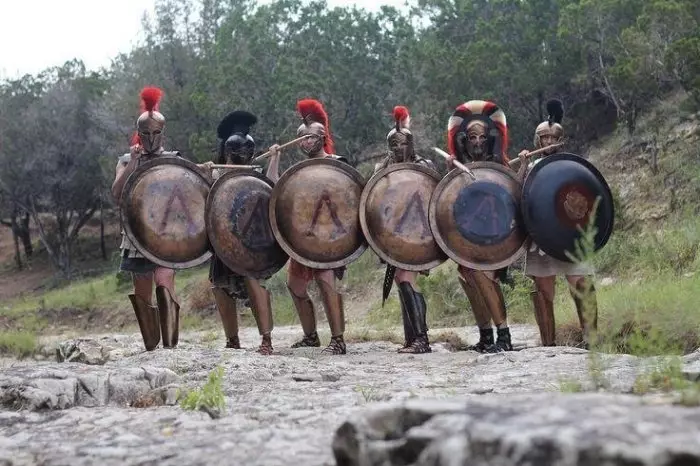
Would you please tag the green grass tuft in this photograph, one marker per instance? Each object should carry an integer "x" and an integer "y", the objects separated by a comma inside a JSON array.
[{"x": 20, "y": 344}]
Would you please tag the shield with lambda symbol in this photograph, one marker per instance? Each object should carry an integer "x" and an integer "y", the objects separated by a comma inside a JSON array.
[
  {"x": 394, "y": 216},
  {"x": 162, "y": 212},
  {"x": 238, "y": 224},
  {"x": 477, "y": 222},
  {"x": 315, "y": 213}
]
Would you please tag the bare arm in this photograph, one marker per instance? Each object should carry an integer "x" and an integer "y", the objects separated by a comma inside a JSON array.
[
  {"x": 123, "y": 171},
  {"x": 273, "y": 166},
  {"x": 207, "y": 170},
  {"x": 522, "y": 171}
]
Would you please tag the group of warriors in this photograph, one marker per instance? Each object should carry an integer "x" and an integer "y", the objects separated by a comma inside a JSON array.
[{"x": 477, "y": 133}]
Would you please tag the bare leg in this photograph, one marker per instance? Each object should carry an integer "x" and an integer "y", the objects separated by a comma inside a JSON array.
[
  {"x": 168, "y": 307},
  {"x": 413, "y": 309},
  {"x": 262, "y": 310},
  {"x": 482, "y": 316},
  {"x": 146, "y": 313},
  {"x": 543, "y": 302},
  {"x": 492, "y": 295},
  {"x": 229, "y": 316},
  {"x": 584, "y": 294},
  {"x": 333, "y": 304},
  {"x": 305, "y": 309}
]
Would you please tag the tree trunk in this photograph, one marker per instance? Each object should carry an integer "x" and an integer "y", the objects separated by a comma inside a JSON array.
[
  {"x": 43, "y": 234},
  {"x": 608, "y": 87},
  {"x": 632, "y": 119},
  {"x": 103, "y": 248},
  {"x": 15, "y": 237},
  {"x": 25, "y": 236}
]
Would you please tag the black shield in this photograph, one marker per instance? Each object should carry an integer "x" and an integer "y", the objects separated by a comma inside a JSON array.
[{"x": 558, "y": 196}]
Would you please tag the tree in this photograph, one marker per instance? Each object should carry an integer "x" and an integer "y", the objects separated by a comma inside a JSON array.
[
  {"x": 60, "y": 168},
  {"x": 15, "y": 97}
]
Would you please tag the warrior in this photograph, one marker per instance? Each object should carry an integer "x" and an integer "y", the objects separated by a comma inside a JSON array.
[
  {"x": 413, "y": 306},
  {"x": 542, "y": 268},
  {"x": 477, "y": 131},
  {"x": 163, "y": 319},
  {"x": 319, "y": 144},
  {"x": 237, "y": 147}
]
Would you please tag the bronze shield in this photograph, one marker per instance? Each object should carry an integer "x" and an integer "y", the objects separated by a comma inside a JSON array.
[
  {"x": 315, "y": 213},
  {"x": 162, "y": 212},
  {"x": 238, "y": 224},
  {"x": 394, "y": 216},
  {"x": 558, "y": 197},
  {"x": 477, "y": 223}
]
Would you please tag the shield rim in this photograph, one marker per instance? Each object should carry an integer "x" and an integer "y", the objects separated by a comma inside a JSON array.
[
  {"x": 124, "y": 210},
  {"x": 528, "y": 182},
  {"x": 432, "y": 217},
  {"x": 354, "y": 174},
  {"x": 371, "y": 183},
  {"x": 243, "y": 171}
]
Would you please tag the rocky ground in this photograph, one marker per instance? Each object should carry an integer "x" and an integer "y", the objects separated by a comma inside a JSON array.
[{"x": 108, "y": 402}]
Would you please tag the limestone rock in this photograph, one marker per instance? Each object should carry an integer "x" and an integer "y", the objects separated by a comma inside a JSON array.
[
  {"x": 46, "y": 386},
  {"x": 130, "y": 416},
  {"x": 541, "y": 429}
]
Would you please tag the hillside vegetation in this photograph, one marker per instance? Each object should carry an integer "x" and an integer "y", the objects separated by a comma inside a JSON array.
[
  {"x": 647, "y": 274},
  {"x": 626, "y": 70}
]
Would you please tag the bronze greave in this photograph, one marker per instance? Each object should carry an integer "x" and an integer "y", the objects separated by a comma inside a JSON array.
[
  {"x": 415, "y": 306},
  {"x": 147, "y": 317},
  {"x": 544, "y": 315},
  {"x": 261, "y": 303},
  {"x": 169, "y": 313},
  {"x": 305, "y": 309},
  {"x": 229, "y": 316},
  {"x": 586, "y": 306},
  {"x": 479, "y": 309},
  {"x": 333, "y": 304},
  {"x": 493, "y": 297}
]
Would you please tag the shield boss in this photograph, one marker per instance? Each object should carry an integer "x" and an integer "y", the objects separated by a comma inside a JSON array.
[
  {"x": 238, "y": 224},
  {"x": 477, "y": 222},
  {"x": 314, "y": 213},
  {"x": 394, "y": 216},
  {"x": 162, "y": 209}
]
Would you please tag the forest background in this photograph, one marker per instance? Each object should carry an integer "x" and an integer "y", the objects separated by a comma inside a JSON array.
[{"x": 627, "y": 71}]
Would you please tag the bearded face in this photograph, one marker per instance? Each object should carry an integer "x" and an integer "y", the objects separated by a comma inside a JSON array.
[
  {"x": 313, "y": 145},
  {"x": 546, "y": 135},
  {"x": 476, "y": 140},
  {"x": 150, "y": 130},
  {"x": 472, "y": 145}
]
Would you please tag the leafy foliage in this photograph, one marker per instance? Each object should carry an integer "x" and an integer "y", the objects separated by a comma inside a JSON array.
[
  {"x": 210, "y": 398},
  {"x": 608, "y": 60}
]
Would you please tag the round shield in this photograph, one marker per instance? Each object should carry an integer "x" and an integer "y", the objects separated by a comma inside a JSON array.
[
  {"x": 394, "y": 216},
  {"x": 477, "y": 222},
  {"x": 238, "y": 224},
  {"x": 558, "y": 197},
  {"x": 315, "y": 213},
  {"x": 162, "y": 212}
]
